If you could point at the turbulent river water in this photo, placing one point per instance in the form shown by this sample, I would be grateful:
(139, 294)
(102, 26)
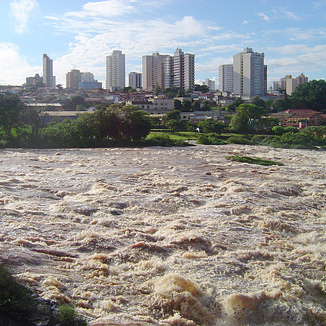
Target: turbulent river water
(169, 236)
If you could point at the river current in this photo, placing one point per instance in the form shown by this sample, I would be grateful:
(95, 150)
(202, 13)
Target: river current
(169, 236)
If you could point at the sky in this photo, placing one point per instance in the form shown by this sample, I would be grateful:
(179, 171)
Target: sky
(79, 34)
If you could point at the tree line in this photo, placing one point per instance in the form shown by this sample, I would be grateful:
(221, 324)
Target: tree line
(22, 126)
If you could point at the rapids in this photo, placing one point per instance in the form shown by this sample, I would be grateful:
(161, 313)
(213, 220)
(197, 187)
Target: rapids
(169, 236)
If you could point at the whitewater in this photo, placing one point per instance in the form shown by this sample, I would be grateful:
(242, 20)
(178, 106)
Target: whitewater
(169, 236)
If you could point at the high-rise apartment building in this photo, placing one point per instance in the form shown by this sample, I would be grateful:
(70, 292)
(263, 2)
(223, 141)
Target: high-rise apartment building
(73, 77)
(288, 84)
(48, 78)
(183, 69)
(249, 74)
(36, 80)
(169, 71)
(87, 77)
(153, 71)
(115, 71)
(135, 80)
(210, 84)
(292, 83)
(226, 78)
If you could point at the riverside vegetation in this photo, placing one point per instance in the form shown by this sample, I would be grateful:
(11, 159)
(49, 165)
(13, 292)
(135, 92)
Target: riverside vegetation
(19, 306)
(116, 125)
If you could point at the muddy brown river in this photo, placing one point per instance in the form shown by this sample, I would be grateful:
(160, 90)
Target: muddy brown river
(169, 236)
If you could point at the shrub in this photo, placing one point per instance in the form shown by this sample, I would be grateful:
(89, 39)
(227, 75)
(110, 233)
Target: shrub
(67, 316)
(278, 130)
(210, 139)
(164, 140)
(291, 129)
(238, 140)
(252, 160)
(16, 300)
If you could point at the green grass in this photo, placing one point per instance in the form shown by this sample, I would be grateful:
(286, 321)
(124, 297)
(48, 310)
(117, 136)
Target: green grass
(251, 160)
(180, 135)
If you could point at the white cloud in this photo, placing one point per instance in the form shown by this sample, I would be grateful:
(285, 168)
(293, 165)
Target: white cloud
(318, 4)
(299, 34)
(245, 22)
(263, 16)
(21, 10)
(311, 58)
(14, 66)
(108, 8)
(283, 13)
(190, 26)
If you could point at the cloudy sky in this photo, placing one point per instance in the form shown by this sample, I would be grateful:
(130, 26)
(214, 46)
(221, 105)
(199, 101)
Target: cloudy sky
(80, 34)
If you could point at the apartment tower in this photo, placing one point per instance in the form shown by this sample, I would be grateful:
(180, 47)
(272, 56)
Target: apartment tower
(183, 69)
(115, 71)
(153, 71)
(226, 78)
(169, 71)
(135, 80)
(249, 74)
(73, 77)
(48, 78)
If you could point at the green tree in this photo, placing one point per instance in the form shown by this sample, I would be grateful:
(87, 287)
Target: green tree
(178, 105)
(211, 126)
(246, 117)
(77, 100)
(206, 106)
(311, 95)
(195, 106)
(136, 124)
(258, 101)
(173, 120)
(11, 110)
(186, 105)
(232, 106)
(202, 88)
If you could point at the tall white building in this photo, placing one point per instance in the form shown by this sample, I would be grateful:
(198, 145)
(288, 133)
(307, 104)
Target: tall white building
(87, 77)
(48, 78)
(210, 84)
(169, 71)
(292, 83)
(249, 74)
(115, 71)
(135, 80)
(226, 78)
(153, 71)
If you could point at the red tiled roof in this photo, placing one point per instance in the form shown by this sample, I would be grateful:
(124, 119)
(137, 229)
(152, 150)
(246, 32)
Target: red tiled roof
(301, 111)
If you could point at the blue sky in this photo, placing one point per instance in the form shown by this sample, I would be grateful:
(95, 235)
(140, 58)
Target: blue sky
(80, 34)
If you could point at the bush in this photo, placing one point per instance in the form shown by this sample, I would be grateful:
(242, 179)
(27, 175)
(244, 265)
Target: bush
(164, 140)
(238, 140)
(67, 316)
(258, 139)
(252, 160)
(16, 300)
(210, 139)
(278, 130)
(291, 129)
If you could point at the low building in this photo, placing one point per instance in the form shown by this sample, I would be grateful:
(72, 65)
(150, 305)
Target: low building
(294, 116)
(200, 115)
(49, 116)
(46, 106)
(156, 105)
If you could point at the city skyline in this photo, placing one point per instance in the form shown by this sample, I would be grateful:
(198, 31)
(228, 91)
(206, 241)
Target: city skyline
(79, 34)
